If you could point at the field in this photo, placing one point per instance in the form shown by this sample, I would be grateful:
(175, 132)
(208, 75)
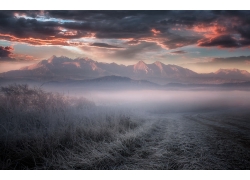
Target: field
(45, 130)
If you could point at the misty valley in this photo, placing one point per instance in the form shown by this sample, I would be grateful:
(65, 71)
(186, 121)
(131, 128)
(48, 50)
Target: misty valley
(57, 126)
(124, 89)
(64, 113)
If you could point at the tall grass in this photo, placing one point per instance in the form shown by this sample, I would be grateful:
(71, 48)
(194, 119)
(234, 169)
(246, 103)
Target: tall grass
(42, 130)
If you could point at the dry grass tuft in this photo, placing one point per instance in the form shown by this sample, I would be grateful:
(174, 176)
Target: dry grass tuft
(39, 129)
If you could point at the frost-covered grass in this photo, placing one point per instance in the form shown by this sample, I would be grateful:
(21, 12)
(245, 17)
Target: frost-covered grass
(43, 130)
(40, 130)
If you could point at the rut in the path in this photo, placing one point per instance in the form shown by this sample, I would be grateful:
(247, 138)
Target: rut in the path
(171, 141)
(228, 144)
(167, 145)
(149, 154)
(185, 142)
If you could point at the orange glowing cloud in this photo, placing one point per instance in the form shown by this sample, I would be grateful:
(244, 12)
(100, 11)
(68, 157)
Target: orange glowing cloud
(35, 41)
(158, 41)
(210, 31)
(218, 35)
(155, 32)
(65, 39)
(171, 42)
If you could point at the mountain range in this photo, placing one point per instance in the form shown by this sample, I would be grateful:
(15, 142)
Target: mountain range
(64, 68)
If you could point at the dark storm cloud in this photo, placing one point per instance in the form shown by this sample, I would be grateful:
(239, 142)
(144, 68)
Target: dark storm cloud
(134, 25)
(225, 41)
(104, 45)
(245, 31)
(179, 41)
(153, 17)
(103, 14)
(25, 28)
(5, 53)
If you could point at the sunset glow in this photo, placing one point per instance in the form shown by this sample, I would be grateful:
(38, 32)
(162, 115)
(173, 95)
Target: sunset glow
(124, 89)
(186, 38)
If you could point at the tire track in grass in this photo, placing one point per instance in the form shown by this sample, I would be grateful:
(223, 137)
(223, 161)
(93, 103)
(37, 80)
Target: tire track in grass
(183, 150)
(227, 149)
(149, 155)
(168, 141)
(169, 145)
(118, 153)
(227, 122)
(227, 131)
(174, 141)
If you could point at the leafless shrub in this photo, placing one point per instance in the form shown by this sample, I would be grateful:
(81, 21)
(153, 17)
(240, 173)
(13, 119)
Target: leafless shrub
(38, 127)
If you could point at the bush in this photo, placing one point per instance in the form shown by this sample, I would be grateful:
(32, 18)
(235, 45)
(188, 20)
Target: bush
(38, 127)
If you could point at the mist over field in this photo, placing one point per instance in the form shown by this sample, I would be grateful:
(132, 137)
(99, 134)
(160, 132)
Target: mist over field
(172, 101)
(125, 129)
(124, 90)
(115, 122)
(177, 99)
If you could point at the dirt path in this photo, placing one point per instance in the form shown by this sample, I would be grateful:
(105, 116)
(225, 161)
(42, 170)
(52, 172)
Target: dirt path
(192, 141)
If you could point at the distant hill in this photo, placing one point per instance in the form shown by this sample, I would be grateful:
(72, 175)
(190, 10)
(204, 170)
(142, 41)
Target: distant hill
(113, 82)
(106, 82)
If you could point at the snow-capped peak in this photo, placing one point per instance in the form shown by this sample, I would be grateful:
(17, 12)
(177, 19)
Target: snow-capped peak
(159, 64)
(141, 66)
(51, 58)
(54, 59)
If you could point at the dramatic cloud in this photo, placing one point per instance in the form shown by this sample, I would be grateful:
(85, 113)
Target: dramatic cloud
(126, 34)
(176, 37)
(6, 53)
(178, 41)
(169, 29)
(224, 41)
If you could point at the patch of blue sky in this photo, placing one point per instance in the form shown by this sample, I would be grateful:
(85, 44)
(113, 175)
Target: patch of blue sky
(5, 43)
(196, 51)
(45, 19)
(61, 21)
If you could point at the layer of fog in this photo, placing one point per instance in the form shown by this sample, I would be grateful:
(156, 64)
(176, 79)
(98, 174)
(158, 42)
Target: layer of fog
(160, 101)
(170, 101)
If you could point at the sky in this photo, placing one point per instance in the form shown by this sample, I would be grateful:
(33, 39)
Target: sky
(203, 41)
